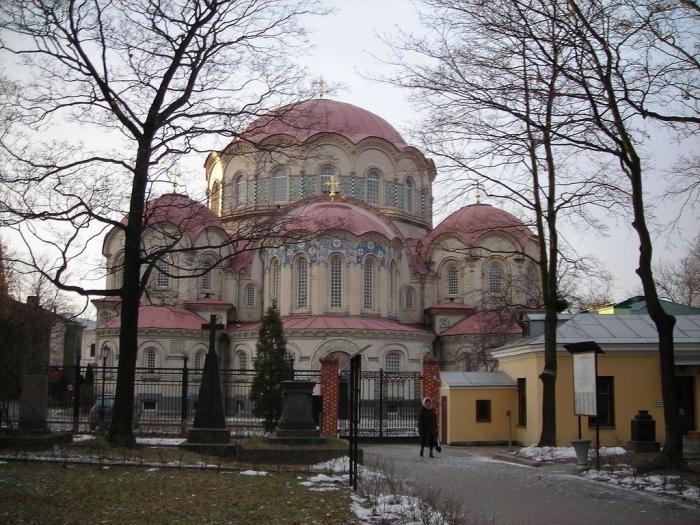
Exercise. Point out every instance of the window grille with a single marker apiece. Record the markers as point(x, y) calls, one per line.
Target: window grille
point(336, 282)
point(410, 298)
point(408, 199)
point(206, 277)
point(452, 281)
point(495, 278)
point(326, 172)
point(373, 186)
point(150, 360)
point(250, 295)
point(242, 360)
point(369, 284)
point(279, 186)
point(275, 278)
point(163, 279)
point(240, 190)
point(302, 283)
point(392, 362)
point(199, 360)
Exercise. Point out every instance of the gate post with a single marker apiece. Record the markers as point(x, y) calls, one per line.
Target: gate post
point(430, 382)
point(329, 393)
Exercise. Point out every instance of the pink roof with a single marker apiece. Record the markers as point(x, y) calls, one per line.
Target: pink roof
point(189, 216)
point(475, 220)
point(303, 120)
point(162, 317)
point(337, 322)
point(485, 323)
point(317, 218)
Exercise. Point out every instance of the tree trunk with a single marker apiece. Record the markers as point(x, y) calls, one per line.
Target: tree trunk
point(121, 429)
point(673, 445)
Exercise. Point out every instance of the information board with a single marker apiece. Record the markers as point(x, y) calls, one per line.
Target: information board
point(585, 384)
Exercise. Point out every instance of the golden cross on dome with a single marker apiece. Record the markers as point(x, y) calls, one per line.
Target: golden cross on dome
point(321, 86)
point(333, 184)
point(174, 175)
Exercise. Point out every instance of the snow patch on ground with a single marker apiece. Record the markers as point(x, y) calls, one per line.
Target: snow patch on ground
point(82, 437)
point(333, 465)
point(535, 453)
point(655, 484)
point(254, 473)
point(160, 442)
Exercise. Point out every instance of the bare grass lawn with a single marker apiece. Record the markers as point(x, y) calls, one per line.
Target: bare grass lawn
point(64, 493)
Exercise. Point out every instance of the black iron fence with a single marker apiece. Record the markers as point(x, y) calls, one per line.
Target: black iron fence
point(388, 404)
point(165, 399)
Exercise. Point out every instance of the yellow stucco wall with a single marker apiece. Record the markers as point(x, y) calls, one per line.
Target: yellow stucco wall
point(636, 387)
point(462, 426)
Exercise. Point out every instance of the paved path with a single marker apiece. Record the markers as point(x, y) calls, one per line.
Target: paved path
point(505, 493)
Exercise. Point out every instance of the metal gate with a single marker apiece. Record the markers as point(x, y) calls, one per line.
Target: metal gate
point(388, 404)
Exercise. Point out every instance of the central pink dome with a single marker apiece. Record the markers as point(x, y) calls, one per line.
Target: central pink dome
point(303, 120)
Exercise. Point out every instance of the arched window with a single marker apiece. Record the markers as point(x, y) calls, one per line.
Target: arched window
point(392, 362)
point(107, 355)
point(279, 186)
point(206, 279)
point(118, 271)
point(163, 274)
point(275, 281)
point(240, 190)
point(325, 174)
point(409, 298)
point(452, 280)
point(368, 283)
point(149, 360)
point(215, 198)
point(250, 295)
point(301, 283)
point(373, 177)
point(495, 278)
point(199, 360)
point(392, 287)
point(242, 359)
point(408, 197)
point(335, 281)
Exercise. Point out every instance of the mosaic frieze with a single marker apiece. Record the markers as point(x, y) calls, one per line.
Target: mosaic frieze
point(318, 251)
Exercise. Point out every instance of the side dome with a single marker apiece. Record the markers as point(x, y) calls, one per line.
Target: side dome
point(471, 222)
point(189, 216)
point(303, 120)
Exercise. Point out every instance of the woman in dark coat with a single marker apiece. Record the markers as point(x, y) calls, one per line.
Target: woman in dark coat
point(427, 426)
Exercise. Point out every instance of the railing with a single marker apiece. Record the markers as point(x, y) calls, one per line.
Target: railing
point(389, 404)
point(165, 399)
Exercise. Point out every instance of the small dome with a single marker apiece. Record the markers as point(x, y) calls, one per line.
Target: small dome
point(472, 221)
point(304, 120)
point(189, 216)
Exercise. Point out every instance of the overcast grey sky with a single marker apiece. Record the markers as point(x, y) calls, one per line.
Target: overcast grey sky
point(346, 44)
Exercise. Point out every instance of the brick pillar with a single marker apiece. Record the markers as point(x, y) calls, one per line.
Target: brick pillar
point(329, 392)
point(430, 382)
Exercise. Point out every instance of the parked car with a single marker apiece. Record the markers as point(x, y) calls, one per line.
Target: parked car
point(101, 412)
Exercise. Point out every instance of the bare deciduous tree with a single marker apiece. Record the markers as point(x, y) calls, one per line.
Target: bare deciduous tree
point(490, 76)
point(148, 81)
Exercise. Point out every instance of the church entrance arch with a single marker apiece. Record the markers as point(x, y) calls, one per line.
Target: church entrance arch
point(343, 349)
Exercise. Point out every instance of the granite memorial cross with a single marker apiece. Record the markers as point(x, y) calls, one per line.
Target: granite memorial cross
point(210, 405)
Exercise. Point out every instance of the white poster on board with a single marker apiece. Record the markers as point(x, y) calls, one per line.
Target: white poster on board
point(584, 384)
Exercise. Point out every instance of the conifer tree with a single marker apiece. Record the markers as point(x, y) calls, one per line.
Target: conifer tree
point(271, 368)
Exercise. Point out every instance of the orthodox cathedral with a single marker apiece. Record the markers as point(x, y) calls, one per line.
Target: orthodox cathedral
point(351, 257)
